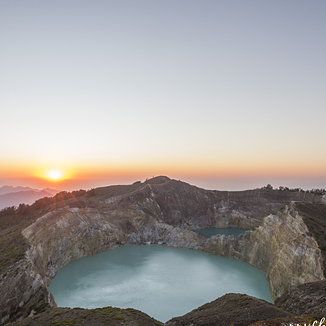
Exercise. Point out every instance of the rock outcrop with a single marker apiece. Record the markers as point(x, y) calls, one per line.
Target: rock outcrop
point(281, 247)
point(160, 211)
point(310, 298)
point(93, 317)
point(230, 309)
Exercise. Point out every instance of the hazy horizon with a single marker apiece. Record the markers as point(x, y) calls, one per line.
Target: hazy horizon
point(226, 95)
point(209, 184)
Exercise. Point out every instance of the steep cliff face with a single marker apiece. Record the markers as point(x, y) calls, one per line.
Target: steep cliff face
point(281, 247)
point(164, 211)
point(314, 216)
point(22, 290)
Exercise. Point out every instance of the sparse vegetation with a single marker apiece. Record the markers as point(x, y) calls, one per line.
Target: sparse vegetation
point(65, 322)
point(13, 247)
point(95, 317)
point(10, 216)
point(321, 191)
point(56, 314)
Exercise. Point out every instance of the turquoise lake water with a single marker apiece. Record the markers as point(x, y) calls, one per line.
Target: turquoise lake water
point(161, 281)
point(228, 231)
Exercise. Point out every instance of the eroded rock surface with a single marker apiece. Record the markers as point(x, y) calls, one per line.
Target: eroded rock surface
point(310, 298)
point(230, 309)
point(93, 317)
point(281, 247)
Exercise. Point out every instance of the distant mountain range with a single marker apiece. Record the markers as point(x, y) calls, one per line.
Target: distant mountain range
point(13, 196)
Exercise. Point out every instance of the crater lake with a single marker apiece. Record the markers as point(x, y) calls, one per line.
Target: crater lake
point(161, 281)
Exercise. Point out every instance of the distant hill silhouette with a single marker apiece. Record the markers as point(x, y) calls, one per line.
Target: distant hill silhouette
point(13, 196)
point(9, 189)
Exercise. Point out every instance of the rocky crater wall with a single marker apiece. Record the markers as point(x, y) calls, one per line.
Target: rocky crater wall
point(163, 211)
point(281, 246)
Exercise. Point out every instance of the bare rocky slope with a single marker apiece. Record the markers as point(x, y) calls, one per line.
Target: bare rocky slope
point(158, 211)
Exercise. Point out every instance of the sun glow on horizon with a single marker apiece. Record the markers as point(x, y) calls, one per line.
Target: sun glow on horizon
point(55, 175)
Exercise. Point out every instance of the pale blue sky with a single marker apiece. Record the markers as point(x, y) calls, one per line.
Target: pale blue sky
point(204, 86)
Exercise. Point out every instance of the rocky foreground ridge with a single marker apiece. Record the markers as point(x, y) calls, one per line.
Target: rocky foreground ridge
point(287, 243)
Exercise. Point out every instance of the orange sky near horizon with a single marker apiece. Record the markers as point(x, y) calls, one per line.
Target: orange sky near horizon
point(196, 169)
point(204, 174)
point(217, 95)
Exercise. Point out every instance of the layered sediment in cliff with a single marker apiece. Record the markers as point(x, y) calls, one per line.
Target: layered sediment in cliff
point(164, 211)
point(22, 290)
point(281, 247)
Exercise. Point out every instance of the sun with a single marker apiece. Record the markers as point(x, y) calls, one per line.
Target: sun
point(54, 175)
